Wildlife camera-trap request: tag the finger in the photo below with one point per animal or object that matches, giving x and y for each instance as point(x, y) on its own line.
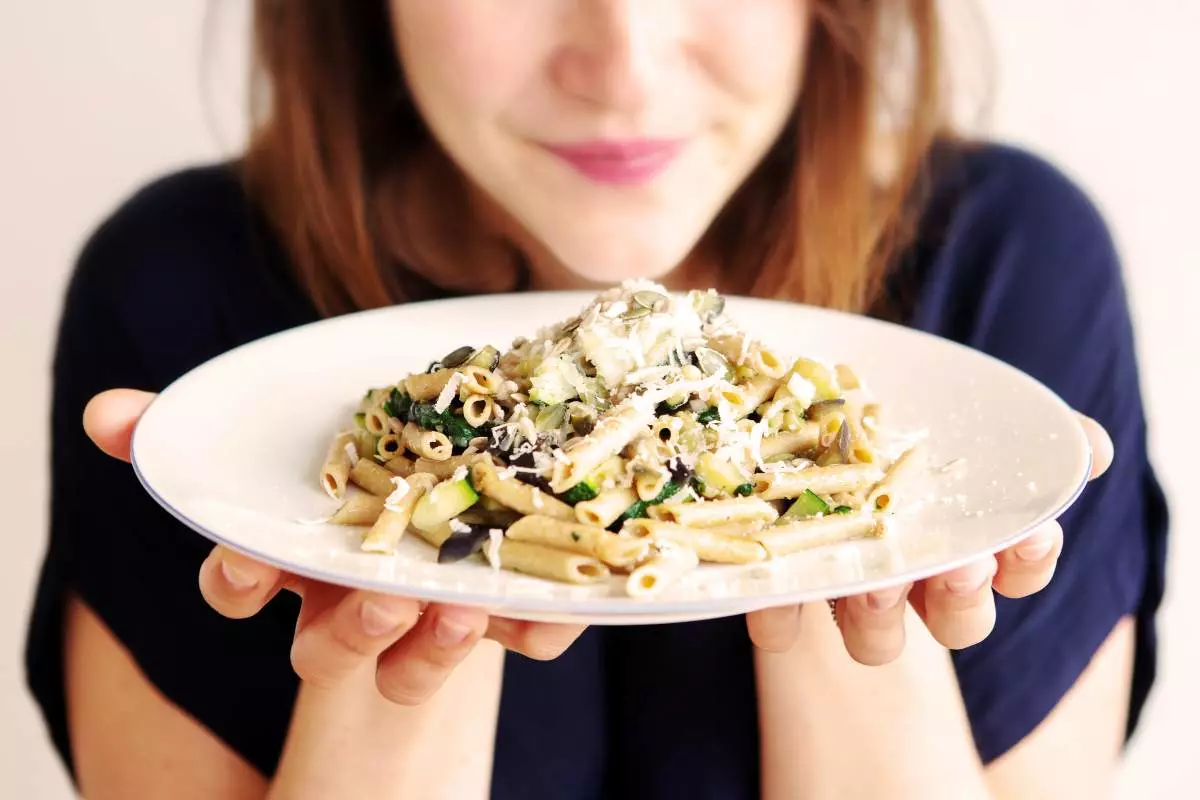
point(774, 629)
point(541, 641)
point(958, 606)
point(339, 630)
point(236, 586)
point(873, 625)
point(1028, 567)
point(411, 671)
point(1102, 445)
point(109, 419)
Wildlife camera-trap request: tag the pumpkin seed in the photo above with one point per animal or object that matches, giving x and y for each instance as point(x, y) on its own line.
point(651, 300)
point(710, 305)
point(635, 312)
point(572, 326)
point(711, 362)
point(456, 358)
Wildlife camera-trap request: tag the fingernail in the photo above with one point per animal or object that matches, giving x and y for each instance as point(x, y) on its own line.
point(1035, 550)
point(377, 619)
point(970, 584)
point(885, 599)
point(449, 633)
point(237, 578)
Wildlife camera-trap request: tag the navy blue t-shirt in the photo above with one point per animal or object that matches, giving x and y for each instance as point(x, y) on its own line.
point(1011, 259)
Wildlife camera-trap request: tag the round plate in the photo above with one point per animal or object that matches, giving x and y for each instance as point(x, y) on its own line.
point(233, 449)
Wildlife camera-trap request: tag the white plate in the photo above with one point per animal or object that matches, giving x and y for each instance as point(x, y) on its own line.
point(233, 449)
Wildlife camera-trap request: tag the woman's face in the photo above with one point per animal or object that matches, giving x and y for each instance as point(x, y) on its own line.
point(611, 131)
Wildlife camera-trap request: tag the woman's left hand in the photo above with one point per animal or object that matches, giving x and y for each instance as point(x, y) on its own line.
point(957, 606)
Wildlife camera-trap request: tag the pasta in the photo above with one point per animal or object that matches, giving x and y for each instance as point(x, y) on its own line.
point(643, 437)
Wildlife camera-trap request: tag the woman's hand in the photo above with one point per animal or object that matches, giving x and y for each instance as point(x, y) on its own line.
point(957, 606)
point(413, 645)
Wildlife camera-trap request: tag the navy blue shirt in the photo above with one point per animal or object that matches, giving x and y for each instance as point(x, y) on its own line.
point(1011, 258)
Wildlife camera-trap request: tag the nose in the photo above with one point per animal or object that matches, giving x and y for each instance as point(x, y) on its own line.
point(614, 53)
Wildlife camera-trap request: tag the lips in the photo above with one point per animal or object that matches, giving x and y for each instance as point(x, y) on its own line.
point(618, 163)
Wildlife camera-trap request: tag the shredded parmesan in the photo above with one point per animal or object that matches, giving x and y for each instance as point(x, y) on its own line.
point(537, 498)
point(398, 494)
point(352, 452)
point(491, 550)
point(459, 527)
point(448, 392)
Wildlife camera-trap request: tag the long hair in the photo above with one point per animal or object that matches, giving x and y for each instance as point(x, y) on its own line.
point(364, 202)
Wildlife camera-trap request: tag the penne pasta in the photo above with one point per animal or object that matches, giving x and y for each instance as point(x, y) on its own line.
point(335, 471)
point(477, 409)
point(613, 550)
point(516, 495)
point(546, 562)
point(900, 479)
point(444, 469)
point(764, 361)
point(805, 534)
point(369, 476)
point(745, 510)
point(707, 544)
point(806, 437)
point(606, 507)
point(396, 514)
point(400, 465)
point(613, 431)
point(424, 387)
point(432, 445)
point(820, 480)
point(648, 483)
point(376, 421)
point(480, 381)
point(668, 565)
point(389, 446)
point(359, 509)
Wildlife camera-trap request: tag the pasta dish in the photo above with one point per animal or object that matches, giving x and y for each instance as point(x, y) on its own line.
point(639, 438)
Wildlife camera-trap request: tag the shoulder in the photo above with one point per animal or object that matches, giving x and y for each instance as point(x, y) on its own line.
point(1011, 253)
point(182, 268)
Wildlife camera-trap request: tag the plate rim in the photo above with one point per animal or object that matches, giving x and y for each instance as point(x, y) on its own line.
point(614, 610)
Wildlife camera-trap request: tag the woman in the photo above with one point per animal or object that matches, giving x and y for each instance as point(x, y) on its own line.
point(414, 149)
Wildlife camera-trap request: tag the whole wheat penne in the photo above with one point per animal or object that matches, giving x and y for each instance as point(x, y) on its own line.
point(400, 465)
point(806, 438)
point(606, 507)
point(335, 471)
point(901, 478)
point(375, 420)
point(359, 509)
point(516, 495)
point(479, 381)
point(368, 475)
point(477, 409)
point(424, 387)
point(792, 537)
point(614, 550)
point(667, 566)
point(547, 562)
point(613, 431)
point(709, 546)
point(393, 520)
point(427, 444)
point(765, 361)
point(705, 513)
point(821, 480)
point(389, 446)
point(444, 469)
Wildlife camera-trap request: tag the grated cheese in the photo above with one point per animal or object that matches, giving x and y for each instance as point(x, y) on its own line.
point(448, 392)
point(491, 550)
point(398, 494)
point(352, 452)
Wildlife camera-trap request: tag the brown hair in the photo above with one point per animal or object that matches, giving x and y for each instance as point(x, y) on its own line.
point(342, 165)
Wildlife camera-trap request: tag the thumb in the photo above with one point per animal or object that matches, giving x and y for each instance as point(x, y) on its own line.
point(110, 417)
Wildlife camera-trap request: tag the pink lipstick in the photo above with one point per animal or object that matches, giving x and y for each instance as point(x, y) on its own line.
point(618, 163)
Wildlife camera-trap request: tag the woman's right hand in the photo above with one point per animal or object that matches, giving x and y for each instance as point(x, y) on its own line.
point(415, 646)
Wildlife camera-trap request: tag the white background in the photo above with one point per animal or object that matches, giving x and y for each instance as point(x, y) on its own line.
point(97, 97)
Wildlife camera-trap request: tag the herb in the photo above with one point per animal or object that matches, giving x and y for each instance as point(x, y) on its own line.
point(699, 484)
point(745, 490)
point(575, 536)
point(579, 493)
point(398, 404)
point(710, 414)
point(457, 430)
point(638, 509)
point(842, 510)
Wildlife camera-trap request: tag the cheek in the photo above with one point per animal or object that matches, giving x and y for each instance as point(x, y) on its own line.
point(755, 51)
point(459, 56)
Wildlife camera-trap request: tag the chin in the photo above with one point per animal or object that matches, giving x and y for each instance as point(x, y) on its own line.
point(610, 262)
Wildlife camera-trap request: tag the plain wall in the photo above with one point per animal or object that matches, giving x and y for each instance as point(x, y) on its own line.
point(99, 97)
